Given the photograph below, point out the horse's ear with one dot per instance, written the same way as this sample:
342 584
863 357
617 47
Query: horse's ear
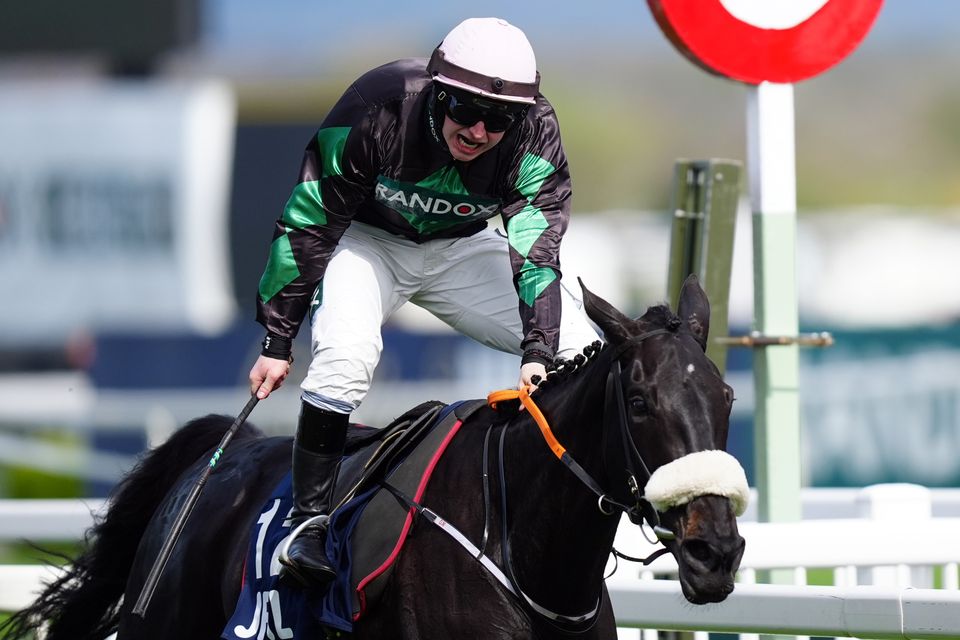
694 309
615 325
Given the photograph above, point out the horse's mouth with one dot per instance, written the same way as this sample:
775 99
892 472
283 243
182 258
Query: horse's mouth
703 597
708 549
707 569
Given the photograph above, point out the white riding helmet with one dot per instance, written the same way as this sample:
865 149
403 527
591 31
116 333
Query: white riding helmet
489 57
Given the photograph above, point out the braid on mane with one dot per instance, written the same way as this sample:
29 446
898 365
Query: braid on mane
561 369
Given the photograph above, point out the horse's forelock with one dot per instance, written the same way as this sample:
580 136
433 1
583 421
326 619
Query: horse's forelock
660 316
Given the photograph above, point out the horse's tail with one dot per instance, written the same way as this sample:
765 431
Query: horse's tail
84 603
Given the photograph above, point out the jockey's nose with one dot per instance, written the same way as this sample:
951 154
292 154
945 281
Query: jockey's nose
478 129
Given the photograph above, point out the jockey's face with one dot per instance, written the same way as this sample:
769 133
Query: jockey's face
467 143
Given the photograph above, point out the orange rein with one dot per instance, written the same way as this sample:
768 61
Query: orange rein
531 406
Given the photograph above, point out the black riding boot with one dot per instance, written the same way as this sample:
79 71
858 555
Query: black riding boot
317 451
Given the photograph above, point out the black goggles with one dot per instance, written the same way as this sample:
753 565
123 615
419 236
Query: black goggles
467 112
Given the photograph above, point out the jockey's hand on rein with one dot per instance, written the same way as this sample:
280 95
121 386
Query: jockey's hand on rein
527 373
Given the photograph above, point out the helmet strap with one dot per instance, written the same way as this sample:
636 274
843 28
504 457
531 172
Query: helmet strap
439 65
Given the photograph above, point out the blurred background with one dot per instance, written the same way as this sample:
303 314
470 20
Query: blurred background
147 147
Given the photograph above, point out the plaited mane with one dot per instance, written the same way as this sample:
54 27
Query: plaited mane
561 369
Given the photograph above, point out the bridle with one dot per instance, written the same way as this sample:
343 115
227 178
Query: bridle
618 442
636 472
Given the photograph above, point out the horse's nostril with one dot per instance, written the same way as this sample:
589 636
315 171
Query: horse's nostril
734 557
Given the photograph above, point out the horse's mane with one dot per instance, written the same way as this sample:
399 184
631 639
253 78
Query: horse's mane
561 369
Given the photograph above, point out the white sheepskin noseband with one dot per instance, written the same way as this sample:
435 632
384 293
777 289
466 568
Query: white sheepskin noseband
715 473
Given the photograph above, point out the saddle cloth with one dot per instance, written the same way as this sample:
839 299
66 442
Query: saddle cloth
364 537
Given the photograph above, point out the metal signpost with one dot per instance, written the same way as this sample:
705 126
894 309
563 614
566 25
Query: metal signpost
705 198
769 46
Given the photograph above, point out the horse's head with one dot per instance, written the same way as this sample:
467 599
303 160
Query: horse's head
666 419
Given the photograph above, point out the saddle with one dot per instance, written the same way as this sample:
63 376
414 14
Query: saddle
366 531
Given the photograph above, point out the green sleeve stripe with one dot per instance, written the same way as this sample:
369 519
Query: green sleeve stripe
534 170
305 206
533 280
331 141
304 209
525 228
281 268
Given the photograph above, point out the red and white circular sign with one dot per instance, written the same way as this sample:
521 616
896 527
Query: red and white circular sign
766 40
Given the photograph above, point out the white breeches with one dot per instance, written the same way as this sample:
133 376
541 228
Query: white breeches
465 282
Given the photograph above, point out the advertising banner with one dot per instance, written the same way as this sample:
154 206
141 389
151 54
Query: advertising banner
113 208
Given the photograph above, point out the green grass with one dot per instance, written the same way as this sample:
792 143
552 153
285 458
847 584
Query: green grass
27 553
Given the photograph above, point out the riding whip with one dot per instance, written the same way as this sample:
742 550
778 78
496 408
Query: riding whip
143 601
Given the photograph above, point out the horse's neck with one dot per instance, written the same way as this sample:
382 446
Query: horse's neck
559 533
574 407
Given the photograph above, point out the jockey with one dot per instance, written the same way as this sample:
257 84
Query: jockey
391 206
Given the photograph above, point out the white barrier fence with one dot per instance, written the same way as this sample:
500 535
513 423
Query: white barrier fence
882 564
875 568
43 520
875 561
863 612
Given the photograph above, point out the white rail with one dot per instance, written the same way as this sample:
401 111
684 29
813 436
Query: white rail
43 520
895 546
20 584
821 544
863 612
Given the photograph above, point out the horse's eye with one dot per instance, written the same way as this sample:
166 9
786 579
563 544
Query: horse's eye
638 405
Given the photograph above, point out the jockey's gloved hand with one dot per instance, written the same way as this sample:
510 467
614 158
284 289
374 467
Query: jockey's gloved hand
527 372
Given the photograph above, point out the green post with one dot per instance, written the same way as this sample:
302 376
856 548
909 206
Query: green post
704 201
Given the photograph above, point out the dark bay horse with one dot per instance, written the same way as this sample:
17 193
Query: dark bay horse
641 404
